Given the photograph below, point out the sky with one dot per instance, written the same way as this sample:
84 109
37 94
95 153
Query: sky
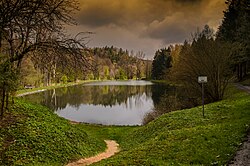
145 25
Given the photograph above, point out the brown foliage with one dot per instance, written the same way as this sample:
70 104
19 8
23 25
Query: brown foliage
204 57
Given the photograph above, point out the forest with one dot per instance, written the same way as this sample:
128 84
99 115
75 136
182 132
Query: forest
222 55
107 63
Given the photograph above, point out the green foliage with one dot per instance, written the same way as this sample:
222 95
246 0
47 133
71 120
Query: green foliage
185 138
235 29
104 63
8 85
28 74
8 77
90 76
37 136
106 72
161 64
122 75
64 79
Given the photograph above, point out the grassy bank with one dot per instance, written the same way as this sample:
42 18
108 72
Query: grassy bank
185 138
34 135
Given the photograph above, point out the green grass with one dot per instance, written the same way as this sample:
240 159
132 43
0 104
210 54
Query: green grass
186 138
34 135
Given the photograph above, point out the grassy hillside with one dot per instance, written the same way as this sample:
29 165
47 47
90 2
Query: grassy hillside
34 135
186 138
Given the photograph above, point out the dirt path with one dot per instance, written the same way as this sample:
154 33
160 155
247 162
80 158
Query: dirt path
242 157
28 93
242 87
112 148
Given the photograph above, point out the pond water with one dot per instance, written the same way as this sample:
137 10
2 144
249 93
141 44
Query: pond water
107 103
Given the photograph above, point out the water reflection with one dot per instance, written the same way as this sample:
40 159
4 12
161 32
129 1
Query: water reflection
108 103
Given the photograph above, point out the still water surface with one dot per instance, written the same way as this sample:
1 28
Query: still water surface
107 103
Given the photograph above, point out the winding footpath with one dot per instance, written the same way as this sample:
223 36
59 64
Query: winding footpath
242 157
112 148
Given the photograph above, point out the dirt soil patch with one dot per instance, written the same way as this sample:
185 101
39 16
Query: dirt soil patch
112 148
242 157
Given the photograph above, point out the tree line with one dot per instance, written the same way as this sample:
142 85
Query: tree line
222 56
107 63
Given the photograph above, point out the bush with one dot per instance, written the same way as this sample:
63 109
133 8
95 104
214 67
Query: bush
64 79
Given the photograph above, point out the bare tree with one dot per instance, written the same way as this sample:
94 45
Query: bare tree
34 26
204 56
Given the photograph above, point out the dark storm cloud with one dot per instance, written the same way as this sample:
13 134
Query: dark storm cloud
188 1
98 13
169 21
95 13
185 19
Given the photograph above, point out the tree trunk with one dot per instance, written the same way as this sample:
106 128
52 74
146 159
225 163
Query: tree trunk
248 66
245 69
3 99
7 101
239 71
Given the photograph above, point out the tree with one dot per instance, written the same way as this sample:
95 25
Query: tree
35 25
148 69
139 64
161 63
175 53
235 29
204 56
29 75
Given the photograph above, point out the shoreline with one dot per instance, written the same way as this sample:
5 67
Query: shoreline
25 92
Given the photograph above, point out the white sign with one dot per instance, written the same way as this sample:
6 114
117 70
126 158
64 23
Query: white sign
202 79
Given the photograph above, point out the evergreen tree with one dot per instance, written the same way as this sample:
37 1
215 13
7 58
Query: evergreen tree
161 63
235 30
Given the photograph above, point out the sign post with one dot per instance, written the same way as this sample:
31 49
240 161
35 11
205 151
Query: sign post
202 80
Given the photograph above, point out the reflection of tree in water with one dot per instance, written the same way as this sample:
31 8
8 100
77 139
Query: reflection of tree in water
165 98
58 99
160 89
168 98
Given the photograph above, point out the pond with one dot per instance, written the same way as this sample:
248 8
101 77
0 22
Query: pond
107 102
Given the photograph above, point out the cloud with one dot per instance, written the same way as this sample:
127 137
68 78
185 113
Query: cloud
188 1
95 13
140 24
178 26
173 29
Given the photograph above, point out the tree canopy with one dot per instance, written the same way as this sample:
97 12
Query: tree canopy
204 57
161 63
235 30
